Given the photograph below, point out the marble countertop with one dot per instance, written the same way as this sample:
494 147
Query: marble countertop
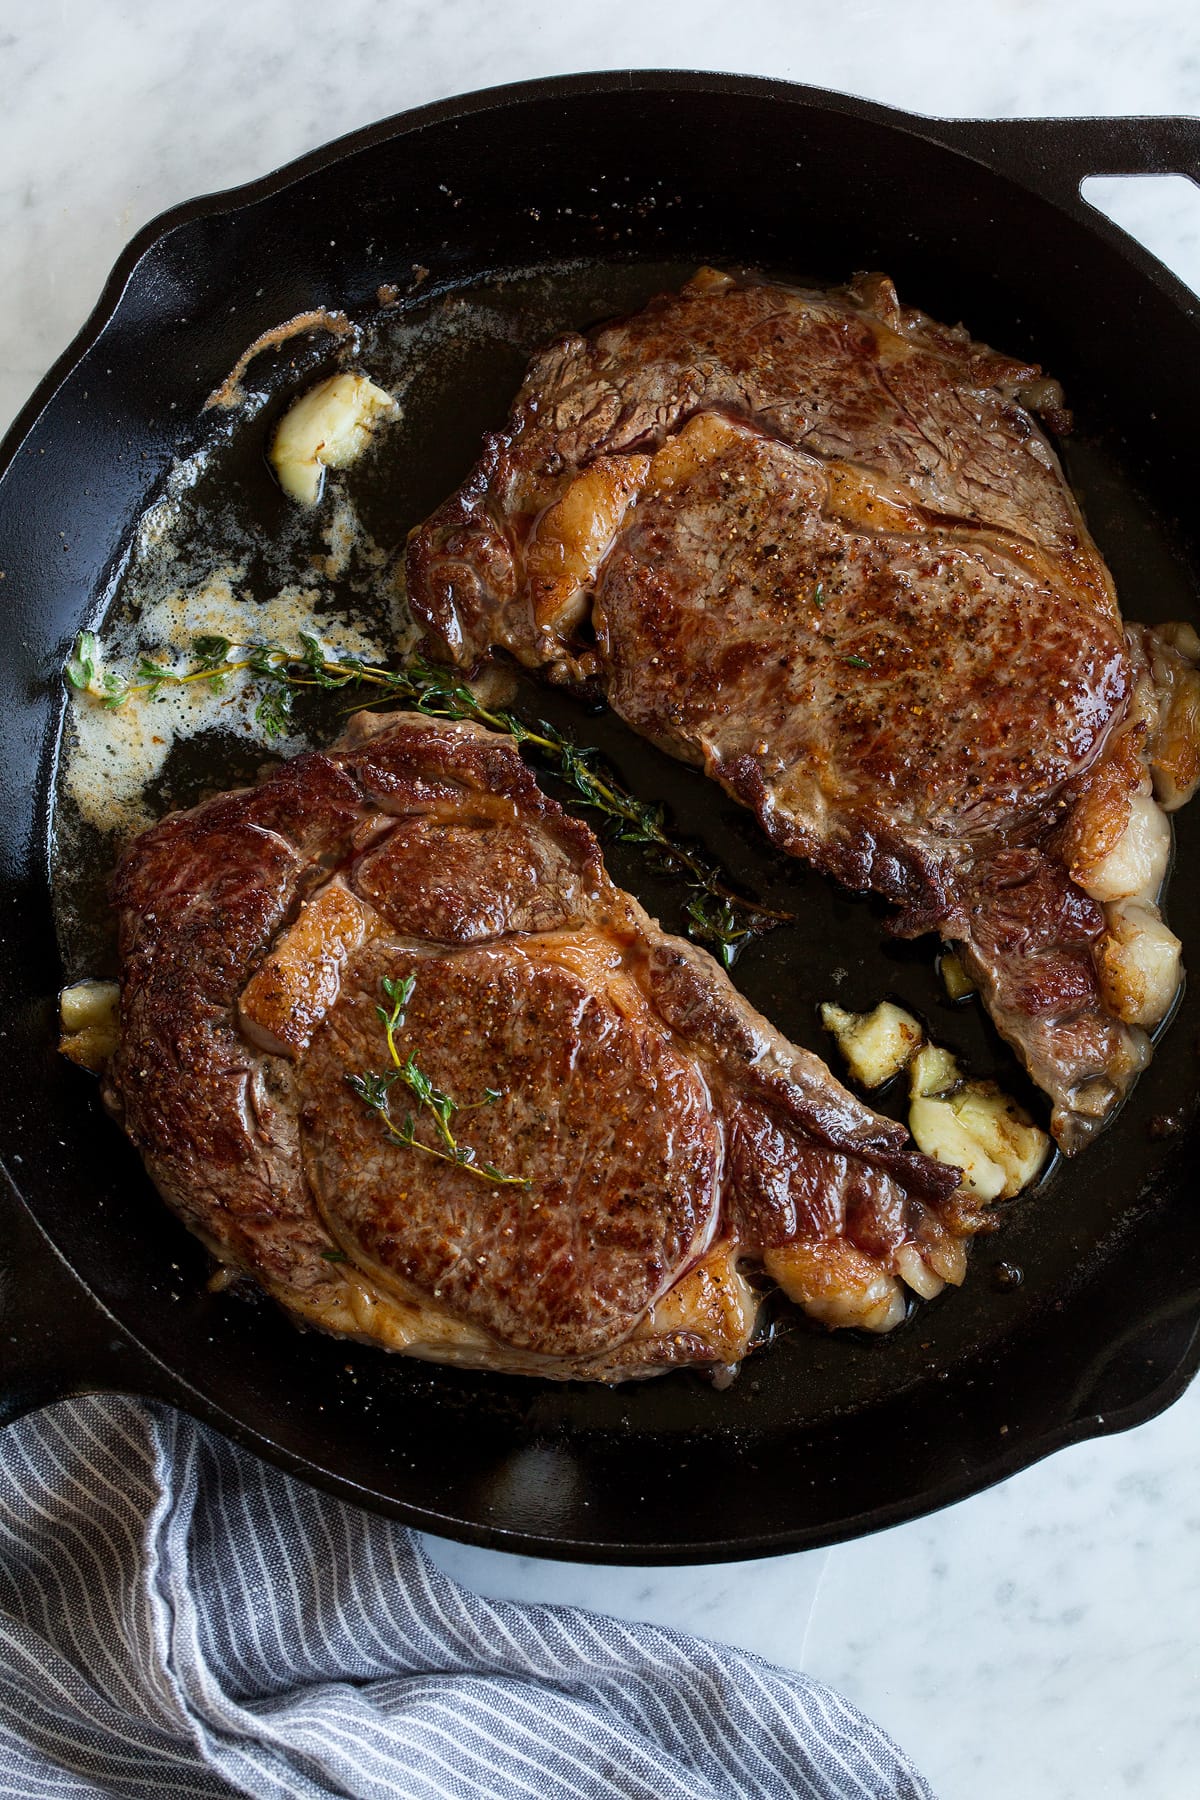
1039 1639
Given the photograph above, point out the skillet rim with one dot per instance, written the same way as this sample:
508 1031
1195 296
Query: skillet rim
965 136
961 137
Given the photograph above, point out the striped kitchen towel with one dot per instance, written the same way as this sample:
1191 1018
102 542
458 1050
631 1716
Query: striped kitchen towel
178 1619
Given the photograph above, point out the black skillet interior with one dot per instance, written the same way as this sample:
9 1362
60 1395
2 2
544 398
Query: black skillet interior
558 204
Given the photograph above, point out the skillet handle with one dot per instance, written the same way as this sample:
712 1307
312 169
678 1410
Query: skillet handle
1054 156
55 1339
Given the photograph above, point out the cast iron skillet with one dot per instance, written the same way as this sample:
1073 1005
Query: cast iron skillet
820 1438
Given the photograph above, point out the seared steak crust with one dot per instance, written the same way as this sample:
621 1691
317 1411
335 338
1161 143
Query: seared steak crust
665 1131
813 543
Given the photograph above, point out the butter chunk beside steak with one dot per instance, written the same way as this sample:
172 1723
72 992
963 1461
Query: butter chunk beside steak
671 1140
816 544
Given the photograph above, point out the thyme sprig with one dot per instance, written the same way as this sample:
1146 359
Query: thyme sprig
374 1090
716 914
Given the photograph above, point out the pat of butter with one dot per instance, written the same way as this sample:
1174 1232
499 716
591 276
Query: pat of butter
326 428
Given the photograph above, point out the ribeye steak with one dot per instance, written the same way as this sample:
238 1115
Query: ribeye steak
814 543
663 1132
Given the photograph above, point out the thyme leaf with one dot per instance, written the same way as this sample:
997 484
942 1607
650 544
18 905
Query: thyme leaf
211 650
372 1089
81 664
86 675
399 993
714 919
274 711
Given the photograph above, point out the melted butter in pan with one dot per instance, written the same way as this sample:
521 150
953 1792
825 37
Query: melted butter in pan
115 757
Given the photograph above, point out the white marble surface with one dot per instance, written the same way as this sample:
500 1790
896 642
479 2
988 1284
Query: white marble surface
1040 1639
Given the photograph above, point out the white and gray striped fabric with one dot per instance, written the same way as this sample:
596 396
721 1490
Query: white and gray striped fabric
178 1619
